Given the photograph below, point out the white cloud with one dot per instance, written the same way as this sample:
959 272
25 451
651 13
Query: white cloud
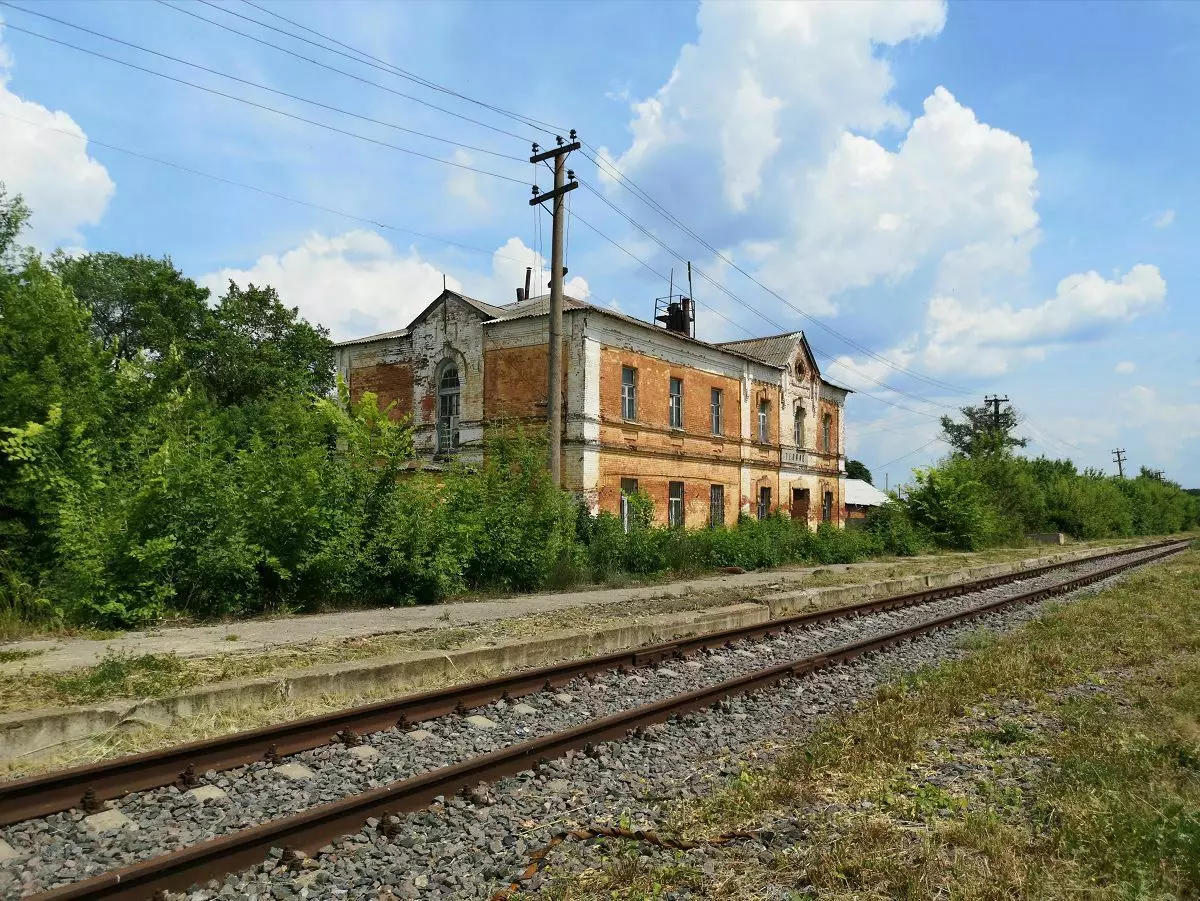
354 283
988 340
1170 429
44 158
357 283
1163 219
1125 368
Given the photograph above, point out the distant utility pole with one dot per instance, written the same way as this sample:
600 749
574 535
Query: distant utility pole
1119 459
994 402
1157 473
554 389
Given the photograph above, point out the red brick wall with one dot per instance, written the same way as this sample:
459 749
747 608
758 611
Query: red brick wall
389 382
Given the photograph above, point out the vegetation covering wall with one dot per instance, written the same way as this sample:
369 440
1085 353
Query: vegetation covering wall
166 453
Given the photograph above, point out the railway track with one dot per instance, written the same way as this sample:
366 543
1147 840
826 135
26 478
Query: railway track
312 828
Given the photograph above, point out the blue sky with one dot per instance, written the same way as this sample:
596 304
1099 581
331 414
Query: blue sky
989 197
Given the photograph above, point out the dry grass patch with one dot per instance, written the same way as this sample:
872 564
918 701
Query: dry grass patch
1061 761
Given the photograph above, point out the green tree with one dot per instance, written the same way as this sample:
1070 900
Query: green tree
137 303
856 469
980 433
256 347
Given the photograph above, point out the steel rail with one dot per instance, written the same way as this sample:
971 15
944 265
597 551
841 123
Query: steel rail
38 796
311 829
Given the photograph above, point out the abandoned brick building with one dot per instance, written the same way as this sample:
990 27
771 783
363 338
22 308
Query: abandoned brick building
706 430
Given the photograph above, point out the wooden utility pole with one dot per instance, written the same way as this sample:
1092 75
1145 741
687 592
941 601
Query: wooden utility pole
994 402
557 271
1119 459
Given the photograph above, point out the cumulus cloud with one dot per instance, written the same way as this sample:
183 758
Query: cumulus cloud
355 283
44 158
358 283
1125 368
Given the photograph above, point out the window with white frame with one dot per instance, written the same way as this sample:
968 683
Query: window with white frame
676 404
628 393
798 426
764 416
716 403
675 504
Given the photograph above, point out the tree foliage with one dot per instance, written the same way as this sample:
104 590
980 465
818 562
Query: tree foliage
856 469
981 432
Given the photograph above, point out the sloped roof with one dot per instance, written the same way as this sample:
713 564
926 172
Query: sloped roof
367 339
774 350
863 494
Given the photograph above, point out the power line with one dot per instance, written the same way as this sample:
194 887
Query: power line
754 309
358 78
391 67
718 313
629 185
264 107
620 176
263 87
884 466
258 190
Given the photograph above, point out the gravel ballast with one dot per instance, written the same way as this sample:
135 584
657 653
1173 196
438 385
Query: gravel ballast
467 847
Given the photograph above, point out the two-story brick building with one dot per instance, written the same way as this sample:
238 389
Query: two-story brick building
707 430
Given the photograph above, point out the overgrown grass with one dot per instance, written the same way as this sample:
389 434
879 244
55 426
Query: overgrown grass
1060 761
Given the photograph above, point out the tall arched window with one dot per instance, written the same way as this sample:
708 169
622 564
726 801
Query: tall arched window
827 433
798 427
448 405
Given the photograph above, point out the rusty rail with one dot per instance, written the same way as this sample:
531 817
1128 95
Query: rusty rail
38 796
313 828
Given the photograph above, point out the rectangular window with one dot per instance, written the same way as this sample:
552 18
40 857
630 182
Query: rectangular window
764 503
827 507
675 504
827 433
798 427
628 392
716 506
628 487
717 412
764 410
677 403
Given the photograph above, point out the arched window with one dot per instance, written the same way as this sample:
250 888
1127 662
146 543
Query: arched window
798 427
827 433
448 399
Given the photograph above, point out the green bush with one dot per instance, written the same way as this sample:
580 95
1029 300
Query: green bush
894 530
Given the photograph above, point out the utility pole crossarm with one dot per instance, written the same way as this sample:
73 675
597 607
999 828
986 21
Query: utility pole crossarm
547 154
550 195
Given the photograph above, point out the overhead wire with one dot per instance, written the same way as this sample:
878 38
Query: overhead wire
264 107
358 78
259 190
261 87
614 172
629 185
390 67
758 312
884 466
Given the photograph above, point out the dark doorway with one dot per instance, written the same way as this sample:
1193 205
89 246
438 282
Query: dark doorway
800 504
